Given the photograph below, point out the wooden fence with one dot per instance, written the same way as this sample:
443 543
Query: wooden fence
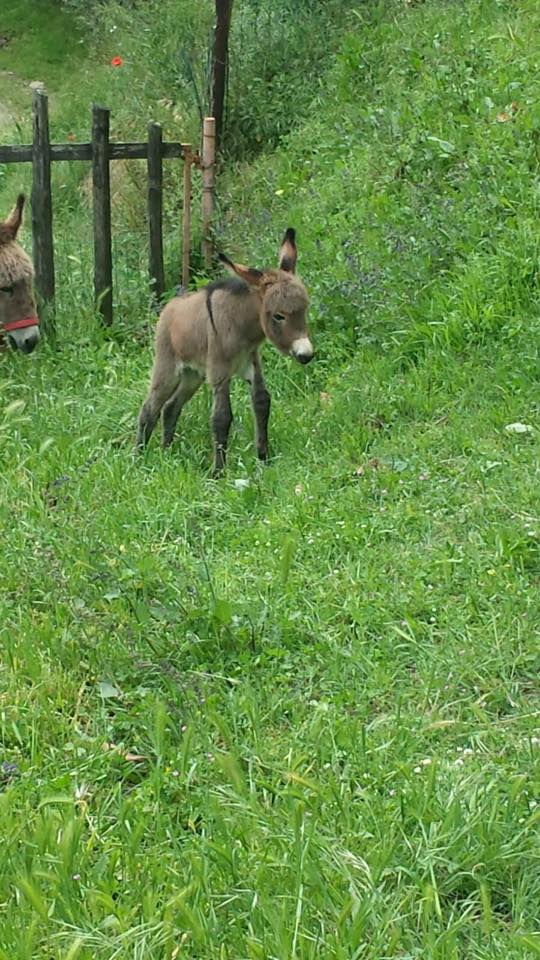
100 151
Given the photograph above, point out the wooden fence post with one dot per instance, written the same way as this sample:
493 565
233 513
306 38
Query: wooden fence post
102 213
100 151
42 222
208 159
186 214
220 56
155 209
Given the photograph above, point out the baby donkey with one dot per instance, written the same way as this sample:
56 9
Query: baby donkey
215 334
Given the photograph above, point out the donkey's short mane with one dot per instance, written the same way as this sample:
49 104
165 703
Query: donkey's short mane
15 264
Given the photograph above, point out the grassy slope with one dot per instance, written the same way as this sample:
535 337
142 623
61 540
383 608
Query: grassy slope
26 58
332 673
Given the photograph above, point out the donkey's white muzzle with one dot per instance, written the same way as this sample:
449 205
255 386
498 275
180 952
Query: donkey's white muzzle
302 350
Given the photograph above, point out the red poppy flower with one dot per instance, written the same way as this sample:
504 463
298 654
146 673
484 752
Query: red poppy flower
116 62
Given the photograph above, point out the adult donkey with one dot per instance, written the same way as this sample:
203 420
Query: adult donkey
18 315
215 334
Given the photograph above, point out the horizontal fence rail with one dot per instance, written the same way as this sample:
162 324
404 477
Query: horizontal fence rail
24 153
99 152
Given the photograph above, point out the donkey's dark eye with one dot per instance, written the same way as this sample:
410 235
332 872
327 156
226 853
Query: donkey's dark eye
278 318
7 290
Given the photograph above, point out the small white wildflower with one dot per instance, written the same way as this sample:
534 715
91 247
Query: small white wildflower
417 770
458 762
82 792
426 761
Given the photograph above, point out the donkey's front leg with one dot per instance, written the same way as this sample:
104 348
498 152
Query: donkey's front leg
221 423
260 399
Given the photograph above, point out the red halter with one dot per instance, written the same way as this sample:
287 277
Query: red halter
19 324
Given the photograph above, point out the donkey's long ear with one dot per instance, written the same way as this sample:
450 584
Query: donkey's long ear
10 227
249 274
287 252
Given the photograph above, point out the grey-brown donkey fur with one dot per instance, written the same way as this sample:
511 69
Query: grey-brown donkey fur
215 334
18 316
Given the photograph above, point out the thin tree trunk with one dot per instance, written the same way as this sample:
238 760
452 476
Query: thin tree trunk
219 62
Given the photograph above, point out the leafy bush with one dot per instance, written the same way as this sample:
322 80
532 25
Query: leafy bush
280 52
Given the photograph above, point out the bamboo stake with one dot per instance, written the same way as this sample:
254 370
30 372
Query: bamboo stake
208 167
186 221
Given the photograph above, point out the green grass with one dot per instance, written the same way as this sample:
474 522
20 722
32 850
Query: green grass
43 42
329 673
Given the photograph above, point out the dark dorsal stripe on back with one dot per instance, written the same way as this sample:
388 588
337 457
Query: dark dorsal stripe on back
233 285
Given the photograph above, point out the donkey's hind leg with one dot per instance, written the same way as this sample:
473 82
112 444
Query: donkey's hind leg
189 384
222 418
164 383
260 400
